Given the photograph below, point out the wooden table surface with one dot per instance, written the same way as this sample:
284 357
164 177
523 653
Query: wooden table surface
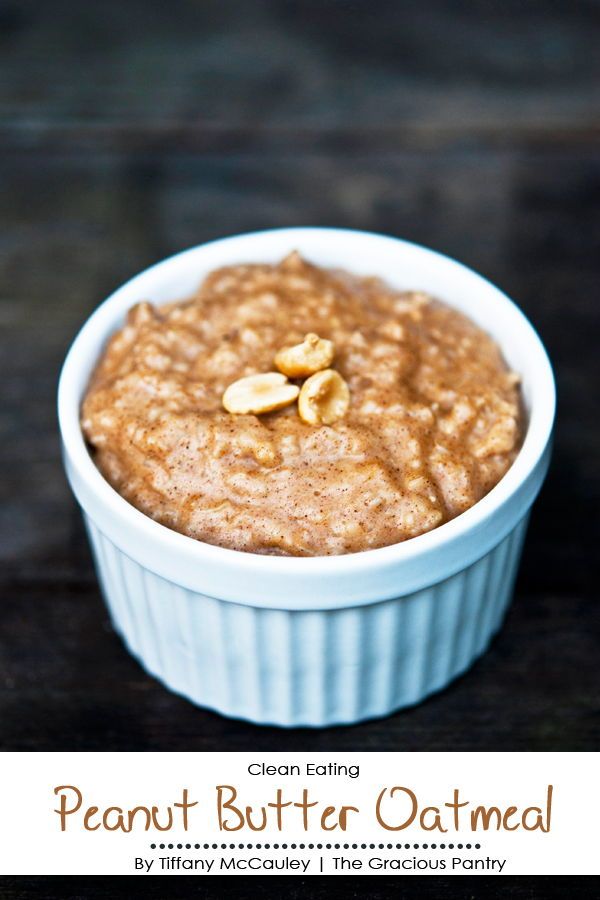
130 131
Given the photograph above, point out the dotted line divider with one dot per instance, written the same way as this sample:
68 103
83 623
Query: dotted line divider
315 846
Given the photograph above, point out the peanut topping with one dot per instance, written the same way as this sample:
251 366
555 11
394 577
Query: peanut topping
324 398
312 355
259 394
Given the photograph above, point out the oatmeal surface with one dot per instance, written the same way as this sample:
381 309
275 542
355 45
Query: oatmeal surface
433 423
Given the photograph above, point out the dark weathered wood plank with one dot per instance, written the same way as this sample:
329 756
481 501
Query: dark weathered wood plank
320 63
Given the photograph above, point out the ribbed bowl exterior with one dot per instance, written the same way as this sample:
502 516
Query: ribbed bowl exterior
314 667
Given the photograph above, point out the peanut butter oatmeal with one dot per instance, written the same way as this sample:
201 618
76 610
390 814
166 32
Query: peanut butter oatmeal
424 416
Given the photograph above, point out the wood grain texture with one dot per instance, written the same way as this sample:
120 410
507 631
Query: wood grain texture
318 63
130 131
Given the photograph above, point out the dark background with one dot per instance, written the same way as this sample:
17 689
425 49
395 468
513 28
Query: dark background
297 888
131 130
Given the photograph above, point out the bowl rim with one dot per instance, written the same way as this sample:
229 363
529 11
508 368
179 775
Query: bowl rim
81 467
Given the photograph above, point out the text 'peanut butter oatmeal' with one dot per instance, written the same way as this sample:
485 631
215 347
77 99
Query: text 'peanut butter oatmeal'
424 416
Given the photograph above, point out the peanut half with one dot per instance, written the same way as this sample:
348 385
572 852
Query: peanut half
259 394
324 398
312 355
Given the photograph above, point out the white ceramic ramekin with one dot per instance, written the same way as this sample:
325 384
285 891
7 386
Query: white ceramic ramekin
324 640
